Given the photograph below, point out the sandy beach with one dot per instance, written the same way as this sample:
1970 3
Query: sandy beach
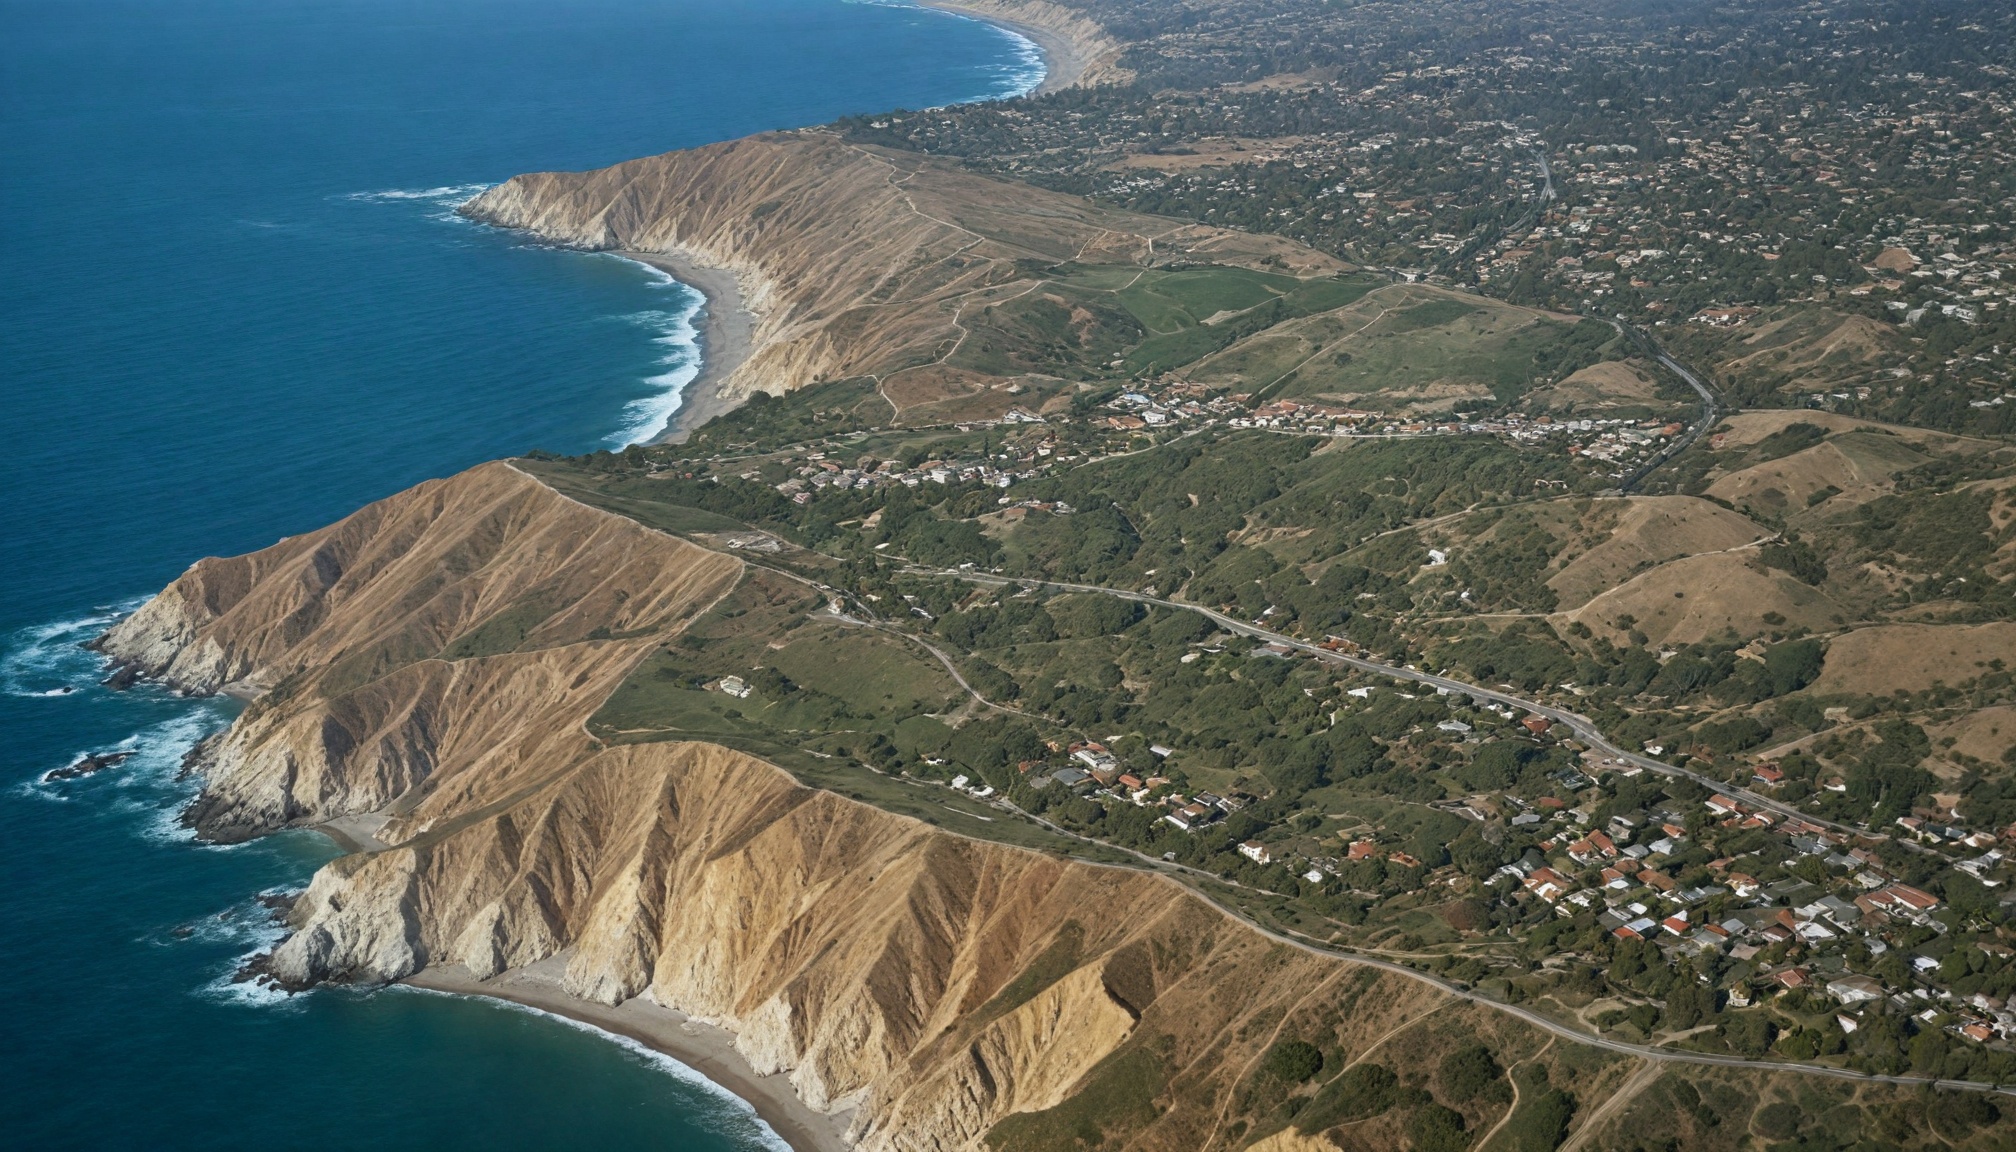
707 1050
1064 59
727 330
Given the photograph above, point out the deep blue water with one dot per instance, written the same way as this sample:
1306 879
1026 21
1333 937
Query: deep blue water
233 306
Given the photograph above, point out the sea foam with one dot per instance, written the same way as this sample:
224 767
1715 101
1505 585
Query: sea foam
445 194
1017 77
49 661
678 335
1022 75
444 199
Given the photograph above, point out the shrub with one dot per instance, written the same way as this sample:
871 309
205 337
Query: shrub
1467 1071
1292 1061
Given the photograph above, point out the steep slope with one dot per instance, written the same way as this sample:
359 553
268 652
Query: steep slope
373 643
432 659
857 261
1648 531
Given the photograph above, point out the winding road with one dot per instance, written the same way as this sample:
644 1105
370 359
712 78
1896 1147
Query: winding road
1711 409
1584 730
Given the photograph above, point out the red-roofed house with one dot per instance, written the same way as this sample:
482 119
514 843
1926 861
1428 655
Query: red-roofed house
1657 879
1908 897
1547 884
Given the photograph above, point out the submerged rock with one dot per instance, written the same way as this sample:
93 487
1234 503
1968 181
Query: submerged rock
88 764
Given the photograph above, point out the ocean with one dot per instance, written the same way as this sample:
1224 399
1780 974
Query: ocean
235 305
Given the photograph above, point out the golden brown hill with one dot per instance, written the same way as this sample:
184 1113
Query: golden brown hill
374 641
1698 597
1913 657
1078 50
857 261
1601 387
1643 532
1798 351
432 660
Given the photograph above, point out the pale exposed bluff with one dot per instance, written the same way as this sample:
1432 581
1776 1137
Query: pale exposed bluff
433 659
857 261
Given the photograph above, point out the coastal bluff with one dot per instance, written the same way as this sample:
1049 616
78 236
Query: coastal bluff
856 262
427 665
420 677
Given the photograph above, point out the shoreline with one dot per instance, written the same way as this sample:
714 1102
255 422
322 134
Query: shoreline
727 325
708 1051
1064 59
726 340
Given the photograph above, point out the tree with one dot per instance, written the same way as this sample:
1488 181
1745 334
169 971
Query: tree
1467 1071
1435 1128
1747 1033
1790 667
1292 1061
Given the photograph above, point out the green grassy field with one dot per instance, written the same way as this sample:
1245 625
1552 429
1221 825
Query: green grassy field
1394 342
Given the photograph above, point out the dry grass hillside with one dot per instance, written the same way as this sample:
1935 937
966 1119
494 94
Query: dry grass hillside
1797 351
374 642
1601 389
1876 661
1710 596
1640 533
1836 460
952 992
859 261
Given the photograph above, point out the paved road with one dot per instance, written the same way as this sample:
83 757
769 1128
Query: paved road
1711 408
1584 728
1178 871
1642 1051
1182 872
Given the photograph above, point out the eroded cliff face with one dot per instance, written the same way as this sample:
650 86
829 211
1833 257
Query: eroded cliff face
1098 52
434 657
856 261
391 652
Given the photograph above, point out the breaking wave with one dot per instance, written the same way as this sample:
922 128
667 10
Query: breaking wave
50 661
678 335
745 1123
1016 77
444 199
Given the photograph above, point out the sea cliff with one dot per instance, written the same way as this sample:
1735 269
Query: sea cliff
424 670
856 262
430 661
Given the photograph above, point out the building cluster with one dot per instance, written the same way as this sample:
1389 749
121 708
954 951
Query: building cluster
1095 772
1514 167
1798 931
818 474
